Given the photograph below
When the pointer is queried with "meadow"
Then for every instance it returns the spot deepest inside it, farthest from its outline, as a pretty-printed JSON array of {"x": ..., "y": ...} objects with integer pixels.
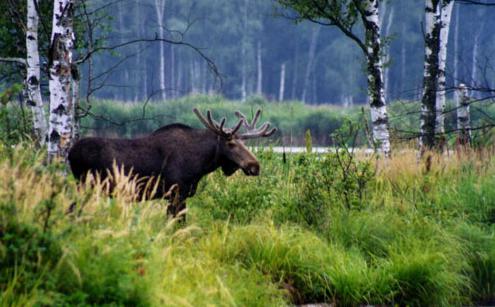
[
  {"x": 307, "y": 230},
  {"x": 335, "y": 228}
]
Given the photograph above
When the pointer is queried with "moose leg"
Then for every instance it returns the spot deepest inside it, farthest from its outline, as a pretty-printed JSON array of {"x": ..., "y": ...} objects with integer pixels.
[{"x": 177, "y": 202}]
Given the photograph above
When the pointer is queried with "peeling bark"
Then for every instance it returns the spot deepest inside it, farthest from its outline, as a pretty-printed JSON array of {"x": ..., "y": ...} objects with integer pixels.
[
  {"x": 33, "y": 75},
  {"x": 379, "y": 115},
  {"x": 61, "y": 105},
  {"x": 430, "y": 77}
]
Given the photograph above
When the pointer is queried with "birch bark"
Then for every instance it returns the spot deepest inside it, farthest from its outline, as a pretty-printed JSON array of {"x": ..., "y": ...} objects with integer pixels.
[
  {"x": 33, "y": 75},
  {"x": 430, "y": 76},
  {"x": 446, "y": 14},
  {"x": 379, "y": 115},
  {"x": 61, "y": 104}
]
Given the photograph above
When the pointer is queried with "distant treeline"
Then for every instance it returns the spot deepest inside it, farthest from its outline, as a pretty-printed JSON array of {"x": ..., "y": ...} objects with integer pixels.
[{"x": 293, "y": 119}]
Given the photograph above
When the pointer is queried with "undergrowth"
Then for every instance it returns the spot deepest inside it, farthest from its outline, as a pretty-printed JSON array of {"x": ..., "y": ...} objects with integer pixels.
[{"x": 304, "y": 231}]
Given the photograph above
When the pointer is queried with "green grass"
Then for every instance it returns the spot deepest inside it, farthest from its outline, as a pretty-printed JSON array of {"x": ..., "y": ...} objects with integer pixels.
[{"x": 302, "y": 232}]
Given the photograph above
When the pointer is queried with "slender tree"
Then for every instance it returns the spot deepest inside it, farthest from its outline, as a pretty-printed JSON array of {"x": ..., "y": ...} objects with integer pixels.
[
  {"x": 60, "y": 131},
  {"x": 437, "y": 22},
  {"x": 344, "y": 15},
  {"x": 446, "y": 14},
  {"x": 311, "y": 59},
  {"x": 463, "y": 117},
  {"x": 33, "y": 73},
  {"x": 430, "y": 78},
  {"x": 160, "y": 17}
]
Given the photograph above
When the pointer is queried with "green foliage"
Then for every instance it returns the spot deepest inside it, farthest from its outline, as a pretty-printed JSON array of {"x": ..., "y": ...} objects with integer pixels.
[
  {"x": 299, "y": 233},
  {"x": 292, "y": 119},
  {"x": 15, "y": 124}
]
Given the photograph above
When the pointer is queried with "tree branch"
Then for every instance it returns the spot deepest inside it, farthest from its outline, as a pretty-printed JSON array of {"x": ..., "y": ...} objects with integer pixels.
[{"x": 14, "y": 60}]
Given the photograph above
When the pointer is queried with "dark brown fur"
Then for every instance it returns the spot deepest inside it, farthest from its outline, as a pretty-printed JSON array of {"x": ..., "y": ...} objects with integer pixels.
[{"x": 177, "y": 153}]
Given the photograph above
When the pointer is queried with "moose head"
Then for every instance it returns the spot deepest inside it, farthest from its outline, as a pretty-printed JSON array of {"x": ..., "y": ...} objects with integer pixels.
[{"x": 231, "y": 150}]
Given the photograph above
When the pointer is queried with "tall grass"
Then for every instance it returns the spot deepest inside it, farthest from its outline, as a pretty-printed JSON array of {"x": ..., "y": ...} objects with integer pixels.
[{"x": 410, "y": 236}]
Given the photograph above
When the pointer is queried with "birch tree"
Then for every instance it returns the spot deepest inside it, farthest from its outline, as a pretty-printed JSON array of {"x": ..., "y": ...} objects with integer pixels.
[
  {"x": 344, "y": 15},
  {"x": 446, "y": 14},
  {"x": 430, "y": 77},
  {"x": 437, "y": 22},
  {"x": 379, "y": 116},
  {"x": 61, "y": 105},
  {"x": 33, "y": 88}
]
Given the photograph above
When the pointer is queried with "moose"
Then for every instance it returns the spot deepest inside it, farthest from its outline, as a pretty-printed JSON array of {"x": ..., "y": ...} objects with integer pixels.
[{"x": 178, "y": 155}]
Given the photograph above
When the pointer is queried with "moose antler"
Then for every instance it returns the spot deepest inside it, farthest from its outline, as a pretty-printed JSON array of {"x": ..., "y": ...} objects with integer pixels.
[
  {"x": 252, "y": 131},
  {"x": 216, "y": 127}
]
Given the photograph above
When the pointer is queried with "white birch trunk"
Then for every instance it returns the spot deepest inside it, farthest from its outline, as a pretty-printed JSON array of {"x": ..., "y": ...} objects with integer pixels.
[
  {"x": 310, "y": 64},
  {"x": 430, "y": 77},
  {"x": 379, "y": 115},
  {"x": 281, "y": 91},
  {"x": 33, "y": 75},
  {"x": 160, "y": 14},
  {"x": 446, "y": 14},
  {"x": 259, "y": 81},
  {"x": 61, "y": 105},
  {"x": 463, "y": 116}
]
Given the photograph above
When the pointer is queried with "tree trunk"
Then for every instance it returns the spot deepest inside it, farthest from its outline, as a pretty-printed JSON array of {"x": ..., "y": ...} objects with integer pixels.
[
  {"x": 430, "y": 77},
  {"x": 160, "y": 14},
  {"x": 311, "y": 58},
  {"x": 386, "y": 76},
  {"x": 379, "y": 116},
  {"x": 295, "y": 73},
  {"x": 463, "y": 117},
  {"x": 456, "y": 46},
  {"x": 33, "y": 75},
  {"x": 446, "y": 14},
  {"x": 281, "y": 91},
  {"x": 259, "y": 81},
  {"x": 173, "y": 93},
  {"x": 244, "y": 53},
  {"x": 61, "y": 104}
]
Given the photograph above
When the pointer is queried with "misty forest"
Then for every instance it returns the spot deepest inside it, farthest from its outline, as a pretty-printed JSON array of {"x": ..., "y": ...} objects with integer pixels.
[{"x": 247, "y": 152}]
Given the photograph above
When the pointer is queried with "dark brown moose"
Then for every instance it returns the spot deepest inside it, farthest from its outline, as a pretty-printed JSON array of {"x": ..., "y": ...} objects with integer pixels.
[{"x": 177, "y": 154}]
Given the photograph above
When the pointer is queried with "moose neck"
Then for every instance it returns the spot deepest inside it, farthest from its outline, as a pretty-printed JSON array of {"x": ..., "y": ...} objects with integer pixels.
[{"x": 212, "y": 146}]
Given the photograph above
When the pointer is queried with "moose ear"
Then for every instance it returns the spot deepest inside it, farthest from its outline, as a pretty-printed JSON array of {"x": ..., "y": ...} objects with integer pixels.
[{"x": 229, "y": 168}]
